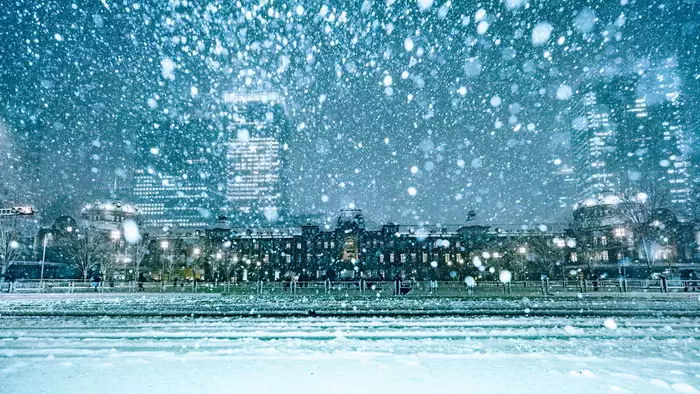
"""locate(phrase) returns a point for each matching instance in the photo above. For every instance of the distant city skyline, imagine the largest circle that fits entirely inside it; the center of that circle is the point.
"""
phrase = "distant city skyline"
(414, 115)
(190, 171)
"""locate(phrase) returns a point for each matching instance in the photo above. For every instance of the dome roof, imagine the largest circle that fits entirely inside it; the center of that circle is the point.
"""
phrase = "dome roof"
(603, 200)
(111, 206)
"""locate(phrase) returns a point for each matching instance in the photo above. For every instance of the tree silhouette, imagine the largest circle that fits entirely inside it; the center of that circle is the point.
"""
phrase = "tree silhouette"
(9, 245)
(89, 248)
(646, 214)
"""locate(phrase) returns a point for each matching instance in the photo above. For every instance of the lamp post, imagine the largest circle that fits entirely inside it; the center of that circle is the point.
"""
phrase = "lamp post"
(522, 250)
(561, 244)
(219, 256)
(163, 245)
(620, 234)
(43, 257)
(115, 235)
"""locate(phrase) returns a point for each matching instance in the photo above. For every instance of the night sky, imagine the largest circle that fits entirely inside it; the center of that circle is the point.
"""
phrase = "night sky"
(477, 96)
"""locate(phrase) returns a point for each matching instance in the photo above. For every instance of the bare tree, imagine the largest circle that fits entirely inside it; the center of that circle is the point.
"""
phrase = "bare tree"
(9, 245)
(89, 248)
(172, 255)
(108, 262)
(543, 253)
(172, 260)
(643, 214)
(139, 250)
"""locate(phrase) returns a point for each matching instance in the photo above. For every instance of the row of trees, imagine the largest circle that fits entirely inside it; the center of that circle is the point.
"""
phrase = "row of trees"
(90, 248)
(86, 248)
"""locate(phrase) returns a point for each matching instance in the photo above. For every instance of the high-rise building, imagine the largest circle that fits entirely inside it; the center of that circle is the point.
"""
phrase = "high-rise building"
(594, 147)
(566, 181)
(256, 155)
(180, 177)
(630, 134)
(656, 142)
(193, 171)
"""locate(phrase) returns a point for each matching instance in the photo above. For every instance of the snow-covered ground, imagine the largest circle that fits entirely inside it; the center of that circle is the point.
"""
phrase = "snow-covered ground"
(344, 355)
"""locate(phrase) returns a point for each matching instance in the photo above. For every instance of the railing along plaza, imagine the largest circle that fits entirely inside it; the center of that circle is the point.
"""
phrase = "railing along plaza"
(358, 287)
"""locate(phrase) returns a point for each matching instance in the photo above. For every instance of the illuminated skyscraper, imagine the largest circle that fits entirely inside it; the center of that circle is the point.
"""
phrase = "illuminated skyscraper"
(630, 134)
(656, 142)
(594, 141)
(180, 176)
(256, 156)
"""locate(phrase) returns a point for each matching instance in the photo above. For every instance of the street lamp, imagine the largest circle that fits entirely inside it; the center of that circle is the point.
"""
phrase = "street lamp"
(219, 256)
(43, 256)
(561, 244)
(522, 251)
(620, 233)
(115, 235)
(163, 245)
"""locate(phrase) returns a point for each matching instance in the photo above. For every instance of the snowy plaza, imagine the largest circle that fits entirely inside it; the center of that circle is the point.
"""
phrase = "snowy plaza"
(127, 347)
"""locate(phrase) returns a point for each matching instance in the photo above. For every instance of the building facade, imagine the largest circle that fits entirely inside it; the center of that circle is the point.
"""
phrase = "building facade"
(350, 250)
(108, 216)
(621, 236)
(594, 146)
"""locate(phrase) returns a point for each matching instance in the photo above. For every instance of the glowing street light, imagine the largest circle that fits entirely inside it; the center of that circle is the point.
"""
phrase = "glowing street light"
(47, 236)
(559, 243)
(115, 235)
(163, 245)
(619, 232)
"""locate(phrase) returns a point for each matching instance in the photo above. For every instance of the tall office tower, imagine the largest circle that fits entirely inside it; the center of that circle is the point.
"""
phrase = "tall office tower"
(566, 180)
(180, 176)
(594, 147)
(258, 131)
(630, 135)
(656, 141)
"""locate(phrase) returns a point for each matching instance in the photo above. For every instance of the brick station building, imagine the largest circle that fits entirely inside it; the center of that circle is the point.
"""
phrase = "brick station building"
(351, 250)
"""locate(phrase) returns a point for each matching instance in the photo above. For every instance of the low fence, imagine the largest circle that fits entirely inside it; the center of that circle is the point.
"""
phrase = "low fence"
(360, 288)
